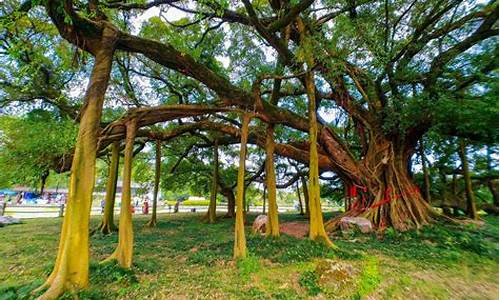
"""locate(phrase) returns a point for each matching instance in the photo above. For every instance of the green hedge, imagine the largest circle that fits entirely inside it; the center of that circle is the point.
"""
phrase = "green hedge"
(189, 202)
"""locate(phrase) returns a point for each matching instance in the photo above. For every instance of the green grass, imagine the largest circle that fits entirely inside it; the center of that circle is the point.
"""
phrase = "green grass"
(184, 258)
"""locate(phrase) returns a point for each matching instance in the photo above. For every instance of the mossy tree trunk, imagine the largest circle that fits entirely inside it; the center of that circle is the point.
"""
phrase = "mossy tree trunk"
(469, 193)
(124, 250)
(107, 223)
(152, 221)
(71, 269)
(211, 216)
(316, 226)
(273, 227)
(240, 244)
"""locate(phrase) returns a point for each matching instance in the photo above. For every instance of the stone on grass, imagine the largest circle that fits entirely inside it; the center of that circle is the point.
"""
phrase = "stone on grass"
(259, 224)
(335, 274)
(8, 220)
(296, 229)
(348, 223)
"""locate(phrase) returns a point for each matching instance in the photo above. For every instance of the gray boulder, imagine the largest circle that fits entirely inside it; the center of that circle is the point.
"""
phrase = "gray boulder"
(8, 220)
(363, 224)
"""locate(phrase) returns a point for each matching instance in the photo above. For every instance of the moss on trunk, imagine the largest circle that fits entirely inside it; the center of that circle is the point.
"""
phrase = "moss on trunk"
(124, 250)
(273, 227)
(71, 269)
(240, 244)
(107, 223)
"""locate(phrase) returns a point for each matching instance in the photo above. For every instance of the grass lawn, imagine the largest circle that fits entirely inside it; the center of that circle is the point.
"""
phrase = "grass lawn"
(184, 258)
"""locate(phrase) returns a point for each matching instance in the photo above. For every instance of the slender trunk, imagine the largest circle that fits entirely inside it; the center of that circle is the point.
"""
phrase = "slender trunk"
(240, 244)
(264, 200)
(454, 191)
(71, 268)
(211, 213)
(231, 202)
(43, 180)
(273, 227)
(123, 252)
(152, 222)
(107, 224)
(493, 187)
(469, 193)
(301, 207)
(305, 191)
(316, 227)
(427, 185)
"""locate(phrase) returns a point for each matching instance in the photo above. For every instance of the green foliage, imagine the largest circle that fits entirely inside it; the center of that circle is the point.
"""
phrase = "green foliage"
(309, 281)
(369, 278)
(247, 266)
(34, 144)
(112, 272)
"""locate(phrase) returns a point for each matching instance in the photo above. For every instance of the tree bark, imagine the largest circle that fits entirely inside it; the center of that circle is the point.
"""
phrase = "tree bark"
(316, 227)
(301, 207)
(427, 185)
(231, 202)
(492, 185)
(211, 213)
(264, 200)
(272, 227)
(384, 191)
(124, 250)
(240, 246)
(153, 221)
(469, 193)
(305, 191)
(71, 268)
(107, 224)
(43, 180)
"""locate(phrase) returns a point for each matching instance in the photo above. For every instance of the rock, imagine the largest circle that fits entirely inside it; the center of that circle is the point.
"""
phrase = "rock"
(8, 220)
(295, 229)
(335, 274)
(259, 224)
(363, 224)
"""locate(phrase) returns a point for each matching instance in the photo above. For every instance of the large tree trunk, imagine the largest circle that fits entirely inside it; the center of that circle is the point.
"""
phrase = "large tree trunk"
(469, 193)
(272, 227)
(427, 184)
(240, 244)
(124, 250)
(383, 190)
(71, 268)
(211, 213)
(152, 222)
(107, 224)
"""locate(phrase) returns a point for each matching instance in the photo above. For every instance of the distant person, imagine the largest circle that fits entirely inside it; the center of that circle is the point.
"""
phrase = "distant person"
(103, 203)
(145, 207)
(19, 198)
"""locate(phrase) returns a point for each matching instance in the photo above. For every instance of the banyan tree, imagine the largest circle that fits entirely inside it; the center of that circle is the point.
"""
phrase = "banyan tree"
(348, 87)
